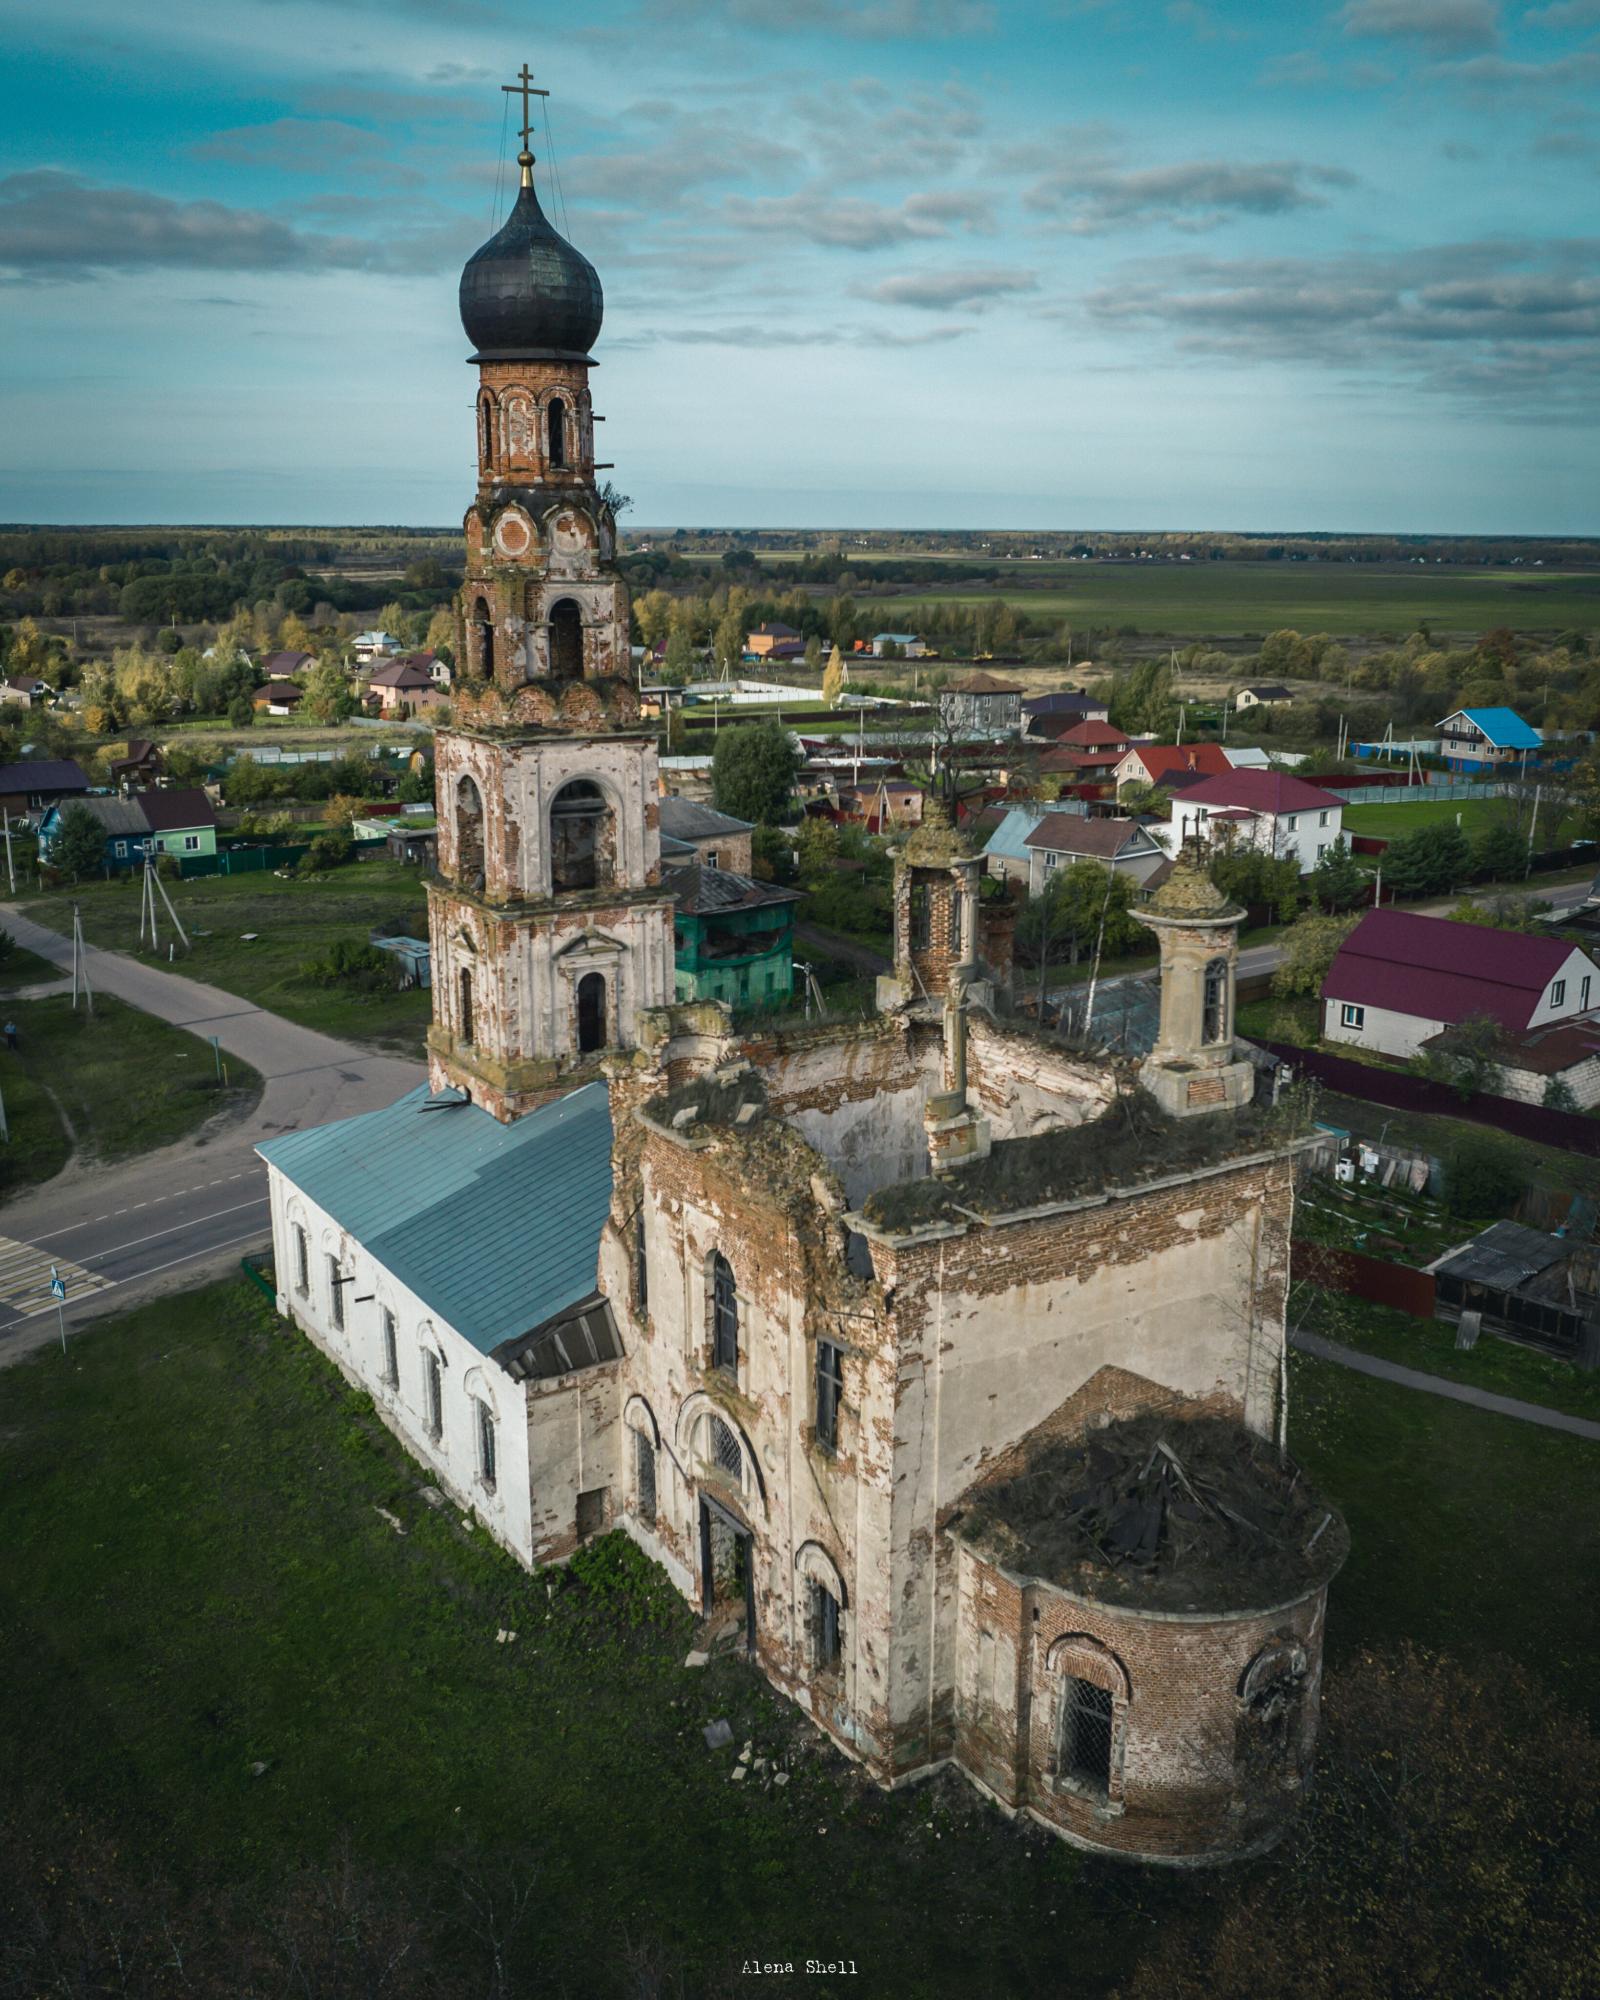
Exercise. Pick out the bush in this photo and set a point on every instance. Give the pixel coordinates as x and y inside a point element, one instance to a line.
<point>328,850</point>
<point>1482,1176</point>
<point>360,967</point>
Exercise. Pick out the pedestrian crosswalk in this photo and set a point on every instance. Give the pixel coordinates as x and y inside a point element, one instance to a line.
<point>25,1278</point>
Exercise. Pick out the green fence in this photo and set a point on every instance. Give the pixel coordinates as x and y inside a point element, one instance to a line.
<point>252,860</point>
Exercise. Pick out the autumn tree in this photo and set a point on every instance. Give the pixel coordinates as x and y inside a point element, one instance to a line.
<point>1309,946</point>
<point>833,679</point>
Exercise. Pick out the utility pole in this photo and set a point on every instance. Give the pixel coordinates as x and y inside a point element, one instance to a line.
<point>11,873</point>
<point>80,964</point>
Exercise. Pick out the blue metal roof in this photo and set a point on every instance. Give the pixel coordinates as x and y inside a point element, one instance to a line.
<point>1504,728</point>
<point>494,1227</point>
<point>1013,830</point>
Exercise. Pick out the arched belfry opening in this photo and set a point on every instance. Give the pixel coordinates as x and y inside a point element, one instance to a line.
<point>469,834</point>
<point>591,1013</point>
<point>582,838</point>
<point>558,431</point>
<point>483,632</point>
<point>566,640</point>
<point>486,432</point>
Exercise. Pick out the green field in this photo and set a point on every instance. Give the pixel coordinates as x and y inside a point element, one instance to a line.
<point>1405,816</point>
<point>294,920</point>
<point>1221,600</point>
<point>103,1087</point>
<point>231,1686</point>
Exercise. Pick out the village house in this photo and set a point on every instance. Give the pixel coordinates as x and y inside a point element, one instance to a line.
<point>716,839</point>
<point>771,638</point>
<point>38,782</point>
<point>1170,763</point>
<point>285,665</point>
<point>1121,846</point>
<point>1269,810</point>
<point>816,1312</point>
<point>1063,707</point>
<point>366,647</point>
<point>177,822</point>
<point>277,697</point>
<point>139,764</point>
<point>1263,694</point>
<point>23,690</point>
<point>907,646</point>
<point>404,687</point>
<point>983,703</point>
<point>1400,979</point>
<point>1487,739</point>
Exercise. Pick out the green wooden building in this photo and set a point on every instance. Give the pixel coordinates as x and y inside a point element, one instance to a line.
<point>733,937</point>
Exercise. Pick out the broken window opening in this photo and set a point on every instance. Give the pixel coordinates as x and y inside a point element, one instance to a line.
<point>641,1265</point>
<point>302,1262</point>
<point>486,1450</point>
<point>1086,1736</point>
<point>644,1477</point>
<point>464,1004</point>
<point>580,838</point>
<point>391,1351</point>
<point>1214,1017</point>
<point>335,1294</point>
<point>558,431</point>
<point>486,432</point>
<point>566,641</point>
<point>483,627</point>
<point>724,1315</point>
<point>591,1013</point>
<point>824,1627</point>
<point>921,917</point>
<point>830,1389</point>
<point>469,834</point>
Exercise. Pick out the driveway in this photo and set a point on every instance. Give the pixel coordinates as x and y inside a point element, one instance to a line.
<point>169,1218</point>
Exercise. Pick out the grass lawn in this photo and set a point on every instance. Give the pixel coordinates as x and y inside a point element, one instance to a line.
<point>1197,600</point>
<point>1388,821</point>
<point>103,1087</point>
<point>195,1579</point>
<point>294,920</point>
<point>1469,1532</point>
<point>1501,1366</point>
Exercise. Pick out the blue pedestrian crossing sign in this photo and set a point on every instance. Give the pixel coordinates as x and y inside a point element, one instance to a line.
<point>58,1284</point>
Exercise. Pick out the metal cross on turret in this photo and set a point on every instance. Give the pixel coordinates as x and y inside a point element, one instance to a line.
<point>525,88</point>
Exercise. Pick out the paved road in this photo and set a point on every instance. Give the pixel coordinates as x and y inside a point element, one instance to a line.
<point>173,1216</point>
<point>1436,1385</point>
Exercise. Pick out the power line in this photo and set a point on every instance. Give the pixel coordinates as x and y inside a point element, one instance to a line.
<point>500,165</point>
<point>555,170</point>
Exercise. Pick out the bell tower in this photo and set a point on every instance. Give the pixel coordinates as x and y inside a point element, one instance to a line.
<point>550,928</point>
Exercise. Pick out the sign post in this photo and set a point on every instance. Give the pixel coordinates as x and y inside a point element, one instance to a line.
<point>58,1291</point>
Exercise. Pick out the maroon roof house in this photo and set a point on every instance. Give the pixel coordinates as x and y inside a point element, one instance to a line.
<point>1399,979</point>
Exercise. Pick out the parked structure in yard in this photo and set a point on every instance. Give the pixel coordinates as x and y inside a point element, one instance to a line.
<point>1122,846</point>
<point>1400,979</point>
<point>1487,739</point>
<point>1282,816</point>
<point>984,703</point>
<point>1540,1291</point>
<point>816,1312</point>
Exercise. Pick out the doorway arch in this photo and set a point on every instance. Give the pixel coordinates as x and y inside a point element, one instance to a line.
<point>591,1013</point>
<point>566,640</point>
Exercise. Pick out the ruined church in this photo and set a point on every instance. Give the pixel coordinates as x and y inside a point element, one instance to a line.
<point>940,1364</point>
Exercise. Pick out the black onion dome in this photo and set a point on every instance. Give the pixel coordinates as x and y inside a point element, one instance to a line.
<point>528,295</point>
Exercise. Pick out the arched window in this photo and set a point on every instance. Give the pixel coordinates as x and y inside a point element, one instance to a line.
<point>1214,1024</point>
<point>566,641</point>
<point>486,432</point>
<point>723,1448</point>
<point>641,1265</point>
<point>1091,1718</point>
<point>487,1454</point>
<point>469,834</point>
<point>483,630</point>
<point>1086,1736</point>
<point>591,1013</point>
<point>464,1003</point>
<point>1267,1730</point>
<point>724,1315</point>
<point>580,837</point>
<point>558,431</point>
<point>921,916</point>
<point>644,1477</point>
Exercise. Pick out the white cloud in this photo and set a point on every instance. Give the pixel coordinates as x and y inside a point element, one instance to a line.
<point>942,291</point>
<point>1444,25</point>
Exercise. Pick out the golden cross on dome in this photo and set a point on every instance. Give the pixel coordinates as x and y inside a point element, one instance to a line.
<point>524,87</point>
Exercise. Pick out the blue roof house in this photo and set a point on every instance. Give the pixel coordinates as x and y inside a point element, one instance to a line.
<point>1487,739</point>
<point>453,1261</point>
<point>1006,852</point>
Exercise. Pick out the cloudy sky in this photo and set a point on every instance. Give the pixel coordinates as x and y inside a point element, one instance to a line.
<point>1080,263</point>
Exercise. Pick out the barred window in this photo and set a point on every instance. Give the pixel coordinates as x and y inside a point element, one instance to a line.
<point>432,1393</point>
<point>486,1445</point>
<point>336,1293</point>
<point>726,1452</point>
<point>391,1351</point>
<point>302,1262</point>
<point>724,1315</point>
<point>1086,1736</point>
<point>830,1387</point>
<point>824,1626</point>
<point>644,1473</point>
